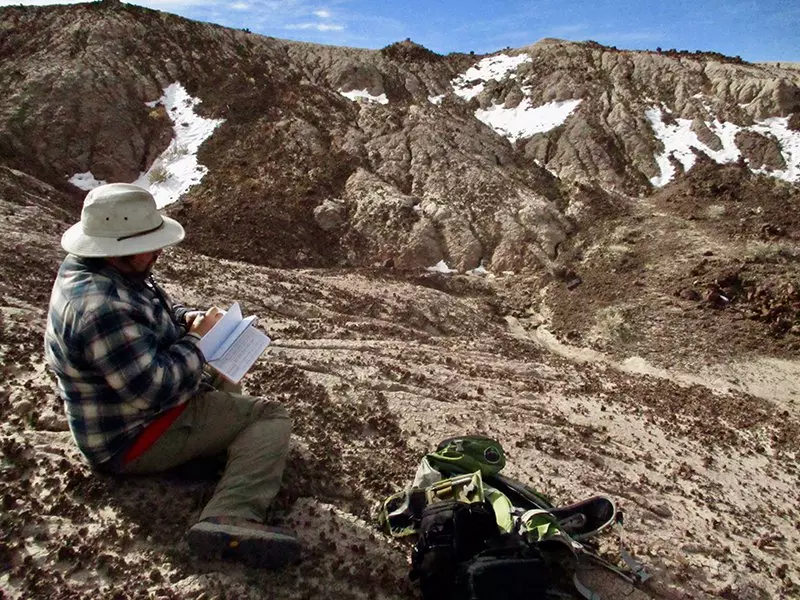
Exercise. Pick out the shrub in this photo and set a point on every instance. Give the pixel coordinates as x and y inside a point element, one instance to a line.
<point>158,175</point>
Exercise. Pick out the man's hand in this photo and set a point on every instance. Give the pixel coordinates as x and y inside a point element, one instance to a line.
<point>190,317</point>
<point>203,323</point>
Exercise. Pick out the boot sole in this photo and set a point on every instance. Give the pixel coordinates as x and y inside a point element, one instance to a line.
<point>264,549</point>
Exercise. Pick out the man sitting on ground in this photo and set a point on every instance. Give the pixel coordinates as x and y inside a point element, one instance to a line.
<point>132,380</point>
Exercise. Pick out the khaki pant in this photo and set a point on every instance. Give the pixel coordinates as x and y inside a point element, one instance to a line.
<point>255,433</point>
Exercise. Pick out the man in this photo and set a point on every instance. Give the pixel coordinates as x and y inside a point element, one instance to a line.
<point>132,380</point>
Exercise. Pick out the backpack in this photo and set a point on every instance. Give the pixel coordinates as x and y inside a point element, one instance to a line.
<point>467,454</point>
<point>450,534</point>
<point>462,555</point>
<point>539,543</point>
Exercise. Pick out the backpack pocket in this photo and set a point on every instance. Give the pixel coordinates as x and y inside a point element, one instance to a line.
<point>467,454</point>
<point>451,533</point>
<point>489,577</point>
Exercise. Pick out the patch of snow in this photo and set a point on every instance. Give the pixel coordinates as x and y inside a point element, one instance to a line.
<point>441,267</point>
<point>177,169</point>
<point>524,120</point>
<point>790,146</point>
<point>680,142</point>
<point>471,83</point>
<point>479,271</point>
<point>356,95</point>
<point>437,100</point>
<point>85,181</point>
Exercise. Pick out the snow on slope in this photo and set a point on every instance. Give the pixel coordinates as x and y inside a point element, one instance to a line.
<point>364,95</point>
<point>680,142</point>
<point>679,139</point>
<point>177,169</point>
<point>790,146</point>
<point>499,67</point>
<point>85,181</point>
<point>521,121</point>
<point>524,120</point>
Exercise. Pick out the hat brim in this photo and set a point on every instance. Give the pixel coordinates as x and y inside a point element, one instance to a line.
<point>78,243</point>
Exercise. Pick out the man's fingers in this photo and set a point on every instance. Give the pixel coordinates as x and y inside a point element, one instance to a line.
<point>192,316</point>
<point>214,313</point>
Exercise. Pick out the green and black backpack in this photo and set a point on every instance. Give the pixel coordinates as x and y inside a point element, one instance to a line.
<point>484,536</point>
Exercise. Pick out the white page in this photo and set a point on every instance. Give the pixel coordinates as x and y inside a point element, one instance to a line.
<point>223,348</point>
<point>250,344</point>
<point>210,342</point>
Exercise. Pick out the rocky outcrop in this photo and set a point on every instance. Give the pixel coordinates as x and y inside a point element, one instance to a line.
<point>344,156</point>
<point>761,152</point>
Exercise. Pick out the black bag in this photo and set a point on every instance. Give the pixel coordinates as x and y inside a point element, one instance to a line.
<point>451,533</point>
<point>509,573</point>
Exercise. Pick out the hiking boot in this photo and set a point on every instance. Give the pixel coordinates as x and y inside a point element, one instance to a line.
<point>247,541</point>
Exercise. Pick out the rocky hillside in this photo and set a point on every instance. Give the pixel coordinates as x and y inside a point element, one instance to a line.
<point>592,254</point>
<point>364,156</point>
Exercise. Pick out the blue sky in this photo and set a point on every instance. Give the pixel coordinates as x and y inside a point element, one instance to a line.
<point>756,30</point>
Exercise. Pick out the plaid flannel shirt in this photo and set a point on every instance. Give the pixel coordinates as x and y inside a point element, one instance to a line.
<point>119,356</point>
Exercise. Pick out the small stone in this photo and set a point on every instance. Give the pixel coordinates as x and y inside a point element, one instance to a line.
<point>23,408</point>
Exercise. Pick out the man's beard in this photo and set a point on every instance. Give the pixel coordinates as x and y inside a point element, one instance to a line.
<point>139,276</point>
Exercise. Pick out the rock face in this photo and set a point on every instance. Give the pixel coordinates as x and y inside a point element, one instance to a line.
<point>416,169</point>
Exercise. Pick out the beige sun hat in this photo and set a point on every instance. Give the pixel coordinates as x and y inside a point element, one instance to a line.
<point>120,219</point>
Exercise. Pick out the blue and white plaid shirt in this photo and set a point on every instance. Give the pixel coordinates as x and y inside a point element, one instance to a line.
<point>118,354</point>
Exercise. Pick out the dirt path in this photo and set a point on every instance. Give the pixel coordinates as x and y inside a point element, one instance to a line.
<point>772,379</point>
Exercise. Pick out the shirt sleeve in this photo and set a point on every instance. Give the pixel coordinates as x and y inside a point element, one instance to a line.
<point>145,373</point>
<point>179,312</point>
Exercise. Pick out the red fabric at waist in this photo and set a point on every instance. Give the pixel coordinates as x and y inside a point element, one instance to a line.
<point>152,432</point>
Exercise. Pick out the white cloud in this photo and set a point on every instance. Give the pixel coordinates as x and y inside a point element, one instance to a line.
<point>317,26</point>
<point>240,6</point>
<point>322,13</point>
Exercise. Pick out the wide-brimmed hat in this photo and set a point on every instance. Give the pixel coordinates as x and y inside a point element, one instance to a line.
<point>120,219</point>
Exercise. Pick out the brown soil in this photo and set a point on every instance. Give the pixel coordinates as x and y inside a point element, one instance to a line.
<point>377,365</point>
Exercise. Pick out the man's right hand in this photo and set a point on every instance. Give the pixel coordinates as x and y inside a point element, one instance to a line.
<point>202,325</point>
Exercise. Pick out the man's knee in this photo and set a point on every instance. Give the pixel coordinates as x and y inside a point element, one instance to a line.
<point>280,424</point>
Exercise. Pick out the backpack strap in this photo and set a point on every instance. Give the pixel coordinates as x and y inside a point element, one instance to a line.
<point>639,571</point>
<point>583,589</point>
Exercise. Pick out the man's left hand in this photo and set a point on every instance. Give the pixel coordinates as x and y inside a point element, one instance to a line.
<point>189,317</point>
